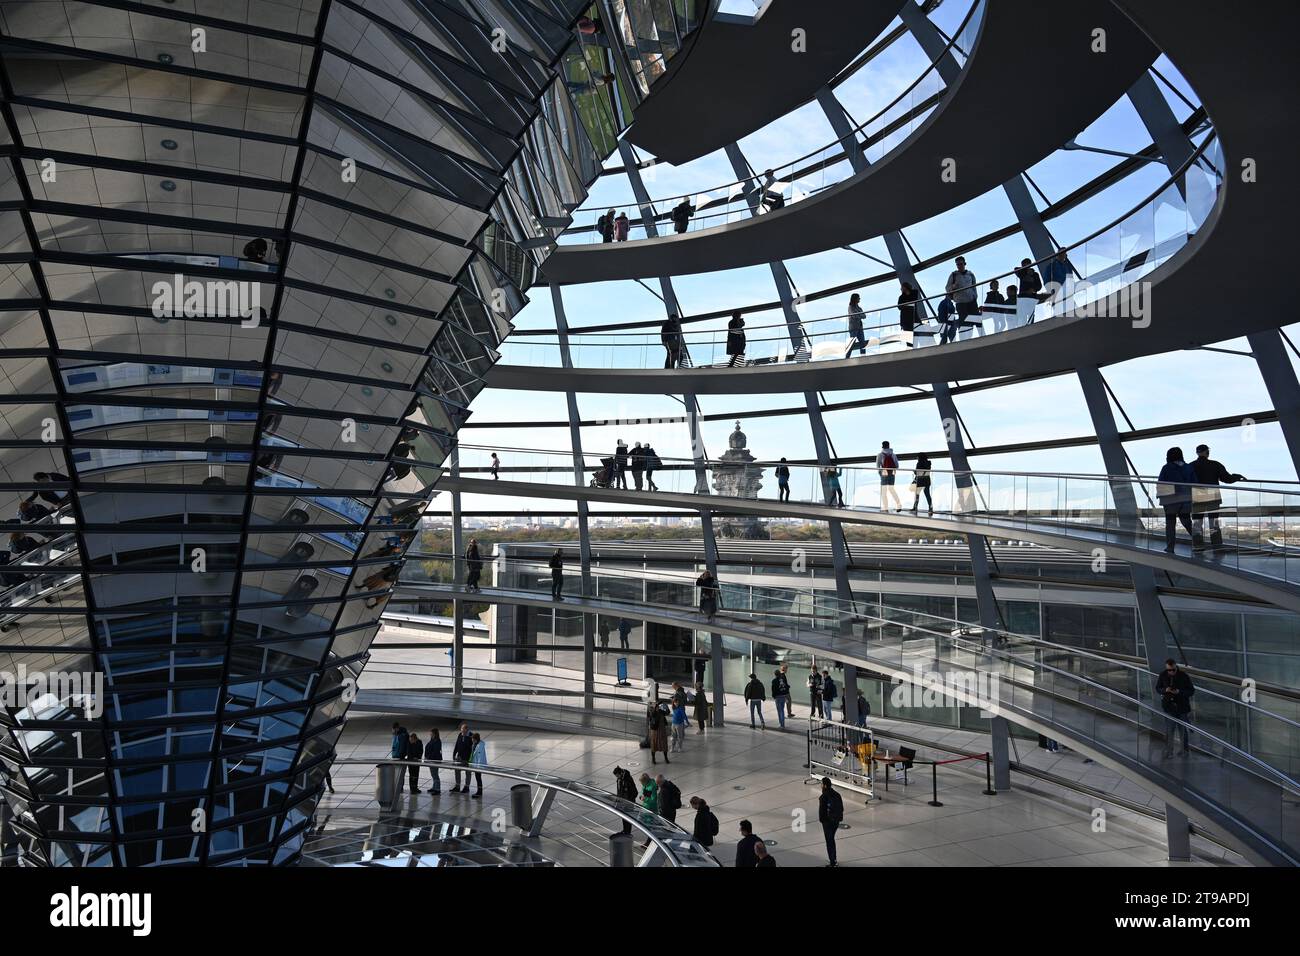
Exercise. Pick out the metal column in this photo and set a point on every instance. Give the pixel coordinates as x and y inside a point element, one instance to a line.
<point>672,307</point>
<point>457,576</point>
<point>579,478</point>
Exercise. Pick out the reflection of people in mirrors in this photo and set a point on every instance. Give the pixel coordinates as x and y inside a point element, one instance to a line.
<point>56,498</point>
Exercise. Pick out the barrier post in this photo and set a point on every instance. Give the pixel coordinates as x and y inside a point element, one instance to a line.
<point>988,777</point>
<point>934,778</point>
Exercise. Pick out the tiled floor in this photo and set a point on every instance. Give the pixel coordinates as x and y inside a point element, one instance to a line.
<point>758,775</point>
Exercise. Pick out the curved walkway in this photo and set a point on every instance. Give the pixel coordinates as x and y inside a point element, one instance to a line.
<point>1256,808</point>
<point>1260,575</point>
<point>1023,64</point>
<point>744,72</point>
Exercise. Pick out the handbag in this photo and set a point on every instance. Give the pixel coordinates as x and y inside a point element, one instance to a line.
<point>912,488</point>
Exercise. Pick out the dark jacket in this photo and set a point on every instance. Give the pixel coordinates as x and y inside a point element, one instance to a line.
<point>637,457</point>
<point>736,337</point>
<point>780,686</point>
<point>473,560</point>
<point>1178,476</point>
<point>670,333</point>
<point>1211,472</point>
<point>556,563</point>
<point>706,825</point>
<point>627,788</point>
<point>921,476</point>
<point>670,798</point>
<point>766,861</point>
<point>433,749</point>
<point>1029,282</point>
<point>830,807</point>
<point>463,748</point>
<point>651,458</point>
<point>1179,703</point>
<point>620,457</point>
<point>701,706</point>
<point>907,311</point>
<point>782,473</point>
<point>828,688</point>
<point>754,690</point>
<point>745,856</point>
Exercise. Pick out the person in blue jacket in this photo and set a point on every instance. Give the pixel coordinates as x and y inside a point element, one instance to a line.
<point>1175,494</point>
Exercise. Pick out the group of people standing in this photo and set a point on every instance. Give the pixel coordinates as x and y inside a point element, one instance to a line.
<point>641,460</point>
<point>467,751</point>
<point>666,720</point>
<point>1189,494</point>
<point>887,467</point>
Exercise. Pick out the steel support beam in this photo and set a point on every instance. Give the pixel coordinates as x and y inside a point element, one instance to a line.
<point>672,307</point>
<point>458,575</point>
<point>579,478</point>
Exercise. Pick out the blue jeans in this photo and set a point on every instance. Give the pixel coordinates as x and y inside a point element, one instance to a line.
<point>756,707</point>
<point>781,704</point>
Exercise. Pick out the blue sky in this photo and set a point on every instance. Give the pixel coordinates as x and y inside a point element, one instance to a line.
<point>1155,390</point>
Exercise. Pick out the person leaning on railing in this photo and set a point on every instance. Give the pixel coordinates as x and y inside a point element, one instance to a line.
<point>1173,490</point>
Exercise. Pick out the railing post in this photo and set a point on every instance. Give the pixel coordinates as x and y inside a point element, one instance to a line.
<point>988,776</point>
<point>934,784</point>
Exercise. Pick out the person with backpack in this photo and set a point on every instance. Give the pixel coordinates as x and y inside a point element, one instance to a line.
<point>605,226</point>
<point>1174,492</point>
<point>670,334</point>
<point>709,593</point>
<point>706,824</point>
<point>783,481</point>
<point>828,695</point>
<point>670,798</point>
<point>780,695</point>
<point>754,697</point>
<point>625,788</point>
<point>830,812</point>
<point>887,466</point>
<point>745,855</point>
<point>681,214</point>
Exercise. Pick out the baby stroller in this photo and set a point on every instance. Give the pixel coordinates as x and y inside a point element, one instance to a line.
<point>604,475</point>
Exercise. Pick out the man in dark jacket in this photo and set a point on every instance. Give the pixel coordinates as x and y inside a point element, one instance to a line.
<point>829,692</point>
<point>1206,501</point>
<point>670,799</point>
<point>745,855</point>
<point>830,811</point>
<point>780,694</point>
<point>754,696</point>
<point>620,465</point>
<point>461,751</point>
<point>1174,686</point>
<point>637,461</point>
<point>764,858</point>
<point>473,565</point>
<point>626,788</point>
<point>706,824</point>
<point>433,751</point>
<point>414,751</point>
<point>670,333</point>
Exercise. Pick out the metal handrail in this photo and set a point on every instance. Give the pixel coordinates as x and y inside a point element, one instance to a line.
<point>660,837</point>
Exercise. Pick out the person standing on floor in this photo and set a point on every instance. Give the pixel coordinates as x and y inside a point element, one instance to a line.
<point>887,466</point>
<point>789,704</point>
<point>829,692</point>
<point>1206,501</point>
<point>754,697</point>
<point>621,227</point>
<point>624,629</point>
<point>1174,686</point>
<point>652,464</point>
<point>433,751</point>
<point>783,481</point>
<point>830,812</point>
<point>637,460</point>
<point>656,723</point>
<point>397,750</point>
<point>477,758</point>
<point>735,339</point>
<point>620,464</point>
<point>670,798</point>
<point>921,483</point>
<point>857,332</point>
<point>414,751</point>
<point>461,751</point>
<point>701,706</point>
<point>745,856</point>
<point>625,787</point>
<point>780,695</point>
<point>1174,491</point>
<point>706,824</point>
<point>473,565</point>
<point>557,575</point>
<point>680,721</point>
<point>670,334</point>
<point>814,684</point>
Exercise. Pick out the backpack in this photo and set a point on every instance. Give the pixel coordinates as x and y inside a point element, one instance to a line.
<point>670,796</point>
<point>889,460</point>
<point>713,824</point>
